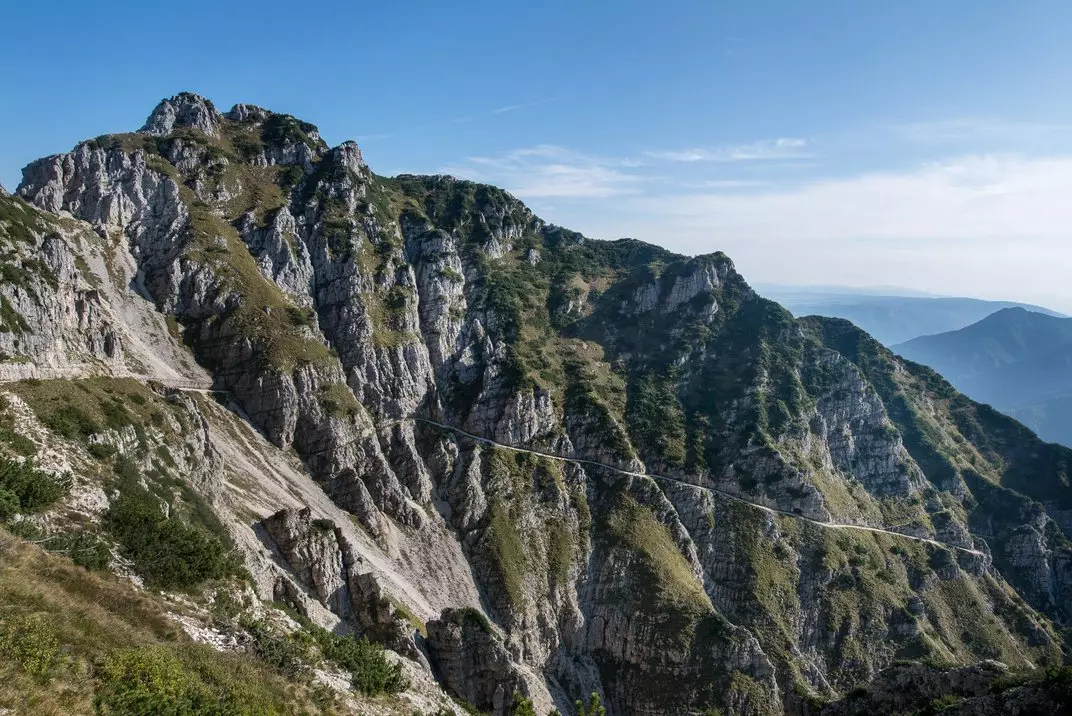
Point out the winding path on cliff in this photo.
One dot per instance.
(201, 387)
(713, 490)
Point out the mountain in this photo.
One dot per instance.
(257, 400)
(892, 319)
(1017, 360)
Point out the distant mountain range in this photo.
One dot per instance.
(1017, 360)
(892, 319)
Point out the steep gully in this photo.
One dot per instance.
(198, 387)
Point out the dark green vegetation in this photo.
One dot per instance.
(24, 489)
(370, 670)
(167, 530)
(166, 551)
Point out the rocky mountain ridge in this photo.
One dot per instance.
(330, 305)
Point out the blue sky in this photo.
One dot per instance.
(919, 143)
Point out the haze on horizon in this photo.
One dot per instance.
(913, 144)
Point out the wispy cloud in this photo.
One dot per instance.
(761, 150)
(523, 105)
(551, 171)
(720, 184)
(974, 225)
(970, 198)
(976, 129)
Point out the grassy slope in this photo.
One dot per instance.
(67, 634)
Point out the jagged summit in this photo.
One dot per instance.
(547, 464)
(185, 109)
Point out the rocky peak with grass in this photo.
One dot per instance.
(525, 465)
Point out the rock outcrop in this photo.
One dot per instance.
(589, 466)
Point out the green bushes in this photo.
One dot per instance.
(101, 451)
(23, 488)
(30, 641)
(167, 553)
(148, 680)
(186, 682)
(594, 707)
(282, 652)
(71, 422)
(522, 706)
(656, 418)
(370, 670)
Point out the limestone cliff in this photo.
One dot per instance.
(587, 466)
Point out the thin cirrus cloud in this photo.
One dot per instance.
(506, 109)
(552, 171)
(783, 148)
(974, 198)
(524, 105)
(952, 130)
(985, 225)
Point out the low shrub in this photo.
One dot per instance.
(24, 488)
(167, 553)
(30, 641)
(370, 670)
(280, 651)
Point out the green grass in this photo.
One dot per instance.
(506, 548)
(187, 681)
(76, 642)
(387, 312)
(401, 610)
(666, 581)
(339, 401)
(560, 549)
(77, 409)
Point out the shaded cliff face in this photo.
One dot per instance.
(696, 551)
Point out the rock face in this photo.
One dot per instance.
(312, 551)
(978, 690)
(472, 662)
(320, 557)
(617, 469)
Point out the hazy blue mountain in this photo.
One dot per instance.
(1017, 360)
(892, 319)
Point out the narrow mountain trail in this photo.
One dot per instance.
(712, 490)
(199, 387)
